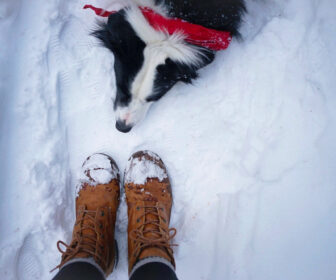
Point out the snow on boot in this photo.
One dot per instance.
(149, 202)
(96, 207)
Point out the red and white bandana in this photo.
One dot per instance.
(195, 34)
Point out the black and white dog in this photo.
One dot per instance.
(149, 62)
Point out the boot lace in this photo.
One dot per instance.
(90, 242)
(161, 234)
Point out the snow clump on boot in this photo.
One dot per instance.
(97, 169)
(146, 166)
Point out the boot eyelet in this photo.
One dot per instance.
(138, 208)
(138, 220)
(101, 226)
(102, 213)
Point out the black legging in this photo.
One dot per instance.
(87, 271)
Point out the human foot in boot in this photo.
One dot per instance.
(96, 207)
(149, 202)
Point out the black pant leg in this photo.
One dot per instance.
(154, 271)
(79, 271)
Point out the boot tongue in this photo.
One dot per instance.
(92, 210)
(88, 235)
(152, 219)
(154, 233)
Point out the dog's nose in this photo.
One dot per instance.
(123, 127)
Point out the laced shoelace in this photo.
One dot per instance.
(84, 243)
(163, 236)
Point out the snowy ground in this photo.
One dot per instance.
(250, 147)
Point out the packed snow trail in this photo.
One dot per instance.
(250, 147)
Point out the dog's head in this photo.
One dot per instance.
(148, 63)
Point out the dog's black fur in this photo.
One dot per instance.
(222, 15)
(128, 48)
(119, 36)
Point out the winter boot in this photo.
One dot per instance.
(149, 202)
(96, 207)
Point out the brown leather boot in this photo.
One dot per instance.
(149, 202)
(96, 207)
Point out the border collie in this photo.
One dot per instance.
(148, 62)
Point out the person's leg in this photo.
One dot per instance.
(80, 270)
(154, 269)
(92, 252)
(149, 201)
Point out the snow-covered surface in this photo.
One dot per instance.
(97, 169)
(250, 147)
(139, 169)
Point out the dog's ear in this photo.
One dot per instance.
(109, 33)
(187, 73)
(118, 26)
(119, 36)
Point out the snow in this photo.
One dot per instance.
(97, 169)
(250, 147)
(139, 169)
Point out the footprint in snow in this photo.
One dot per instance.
(28, 264)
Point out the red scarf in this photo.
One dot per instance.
(195, 34)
